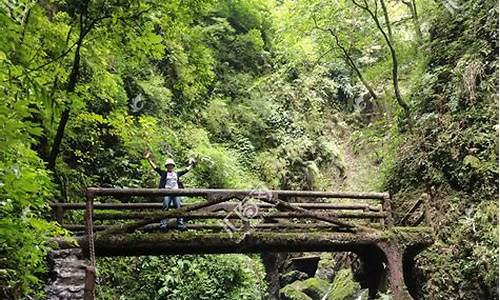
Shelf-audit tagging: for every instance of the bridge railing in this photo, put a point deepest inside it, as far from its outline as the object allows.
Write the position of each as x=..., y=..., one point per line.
x=274, y=205
x=260, y=210
x=417, y=213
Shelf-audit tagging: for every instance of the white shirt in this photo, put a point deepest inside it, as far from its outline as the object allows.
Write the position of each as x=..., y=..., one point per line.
x=172, y=181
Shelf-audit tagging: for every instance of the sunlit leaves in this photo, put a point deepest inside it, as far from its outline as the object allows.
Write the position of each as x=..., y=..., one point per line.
x=210, y=277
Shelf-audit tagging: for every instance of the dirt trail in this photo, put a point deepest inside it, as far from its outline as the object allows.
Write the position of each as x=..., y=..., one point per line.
x=358, y=174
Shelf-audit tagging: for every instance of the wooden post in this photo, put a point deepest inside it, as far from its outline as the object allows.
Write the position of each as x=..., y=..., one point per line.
x=59, y=214
x=387, y=207
x=426, y=198
x=382, y=221
x=89, y=288
x=89, y=228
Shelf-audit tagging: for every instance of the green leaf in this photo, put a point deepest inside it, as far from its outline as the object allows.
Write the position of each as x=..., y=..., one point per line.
x=472, y=161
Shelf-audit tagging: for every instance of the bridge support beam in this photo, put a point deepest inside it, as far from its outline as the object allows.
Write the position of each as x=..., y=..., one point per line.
x=395, y=275
x=245, y=242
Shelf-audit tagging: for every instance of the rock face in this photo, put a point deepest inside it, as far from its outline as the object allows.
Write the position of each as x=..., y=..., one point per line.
x=326, y=267
x=315, y=288
x=312, y=288
x=292, y=276
x=67, y=275
x=342, y=288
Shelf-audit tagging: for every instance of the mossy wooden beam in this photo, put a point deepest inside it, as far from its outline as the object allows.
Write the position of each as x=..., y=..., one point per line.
x=188, y=242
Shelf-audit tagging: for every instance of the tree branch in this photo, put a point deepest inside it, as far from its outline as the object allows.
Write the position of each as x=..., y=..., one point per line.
x=395, y=81
x=348, y=58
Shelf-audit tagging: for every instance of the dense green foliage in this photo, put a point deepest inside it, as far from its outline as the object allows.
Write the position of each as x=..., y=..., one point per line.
x=263, y=93
x=188, y=277
x=453, y=153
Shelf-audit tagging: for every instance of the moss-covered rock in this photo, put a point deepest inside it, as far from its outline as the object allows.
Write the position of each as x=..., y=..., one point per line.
x=363, y=295
x=326, y=267
x=312, y=288
x=344, y=286
x=293, y=292
x=293, y=276
x=315, y=288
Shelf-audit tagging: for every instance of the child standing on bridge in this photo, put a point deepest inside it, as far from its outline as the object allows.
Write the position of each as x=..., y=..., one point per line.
x=169, y=179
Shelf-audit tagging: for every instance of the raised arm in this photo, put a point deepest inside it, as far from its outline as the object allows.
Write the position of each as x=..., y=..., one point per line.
x=150, y=160
x=191, y=164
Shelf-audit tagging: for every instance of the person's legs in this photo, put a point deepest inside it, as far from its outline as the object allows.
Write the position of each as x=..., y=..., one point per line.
x=177, y=204
x=166, y=205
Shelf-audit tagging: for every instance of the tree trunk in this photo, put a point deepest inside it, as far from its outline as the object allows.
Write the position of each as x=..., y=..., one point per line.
x=71, y=85
x=73, y=79
x=365, y=83
x=353, y=65
x=387, y=21
x=394, y=58
x=416, y=21
x=395, y=80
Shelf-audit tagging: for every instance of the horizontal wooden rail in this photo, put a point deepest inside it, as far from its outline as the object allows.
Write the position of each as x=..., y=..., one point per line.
x=217, y=215
x=158, y=205
x=96, y=192
x=79, y=227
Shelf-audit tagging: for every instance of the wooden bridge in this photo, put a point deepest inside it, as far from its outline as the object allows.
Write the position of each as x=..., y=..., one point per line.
x=249, y=221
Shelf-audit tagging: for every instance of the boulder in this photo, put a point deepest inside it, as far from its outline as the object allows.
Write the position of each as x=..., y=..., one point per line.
x=326, y=267
x=344, y=287
x=292, y=276
x=315, y=288
x=294, y=292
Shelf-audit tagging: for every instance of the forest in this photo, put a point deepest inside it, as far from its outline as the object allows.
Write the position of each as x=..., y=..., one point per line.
x=327, y=95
